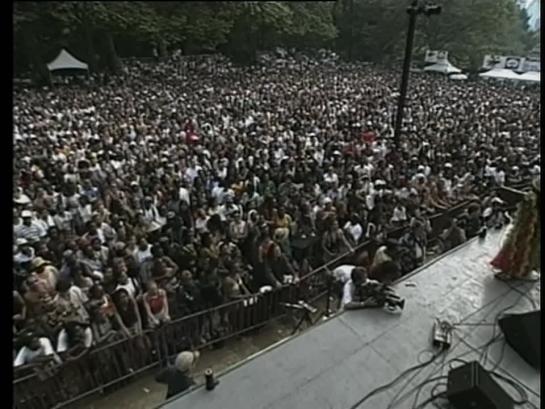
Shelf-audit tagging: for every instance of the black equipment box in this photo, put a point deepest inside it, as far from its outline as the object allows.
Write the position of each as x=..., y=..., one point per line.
x=470, y=386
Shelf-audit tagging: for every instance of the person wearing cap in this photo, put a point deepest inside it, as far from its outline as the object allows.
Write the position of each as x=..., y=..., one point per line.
x=24, y=253
x=520, y=255
x=495, y=216
x=178, y=377
x=29, y=229
x=45, y=271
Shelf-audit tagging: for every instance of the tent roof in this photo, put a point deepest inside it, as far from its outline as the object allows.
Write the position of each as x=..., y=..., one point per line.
x=501, y=73
x=531, y=76
x=458, y=76
x=66, y=61
x=445, y=68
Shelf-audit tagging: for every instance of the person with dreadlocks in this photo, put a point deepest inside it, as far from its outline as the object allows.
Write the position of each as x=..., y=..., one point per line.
x=519, y=257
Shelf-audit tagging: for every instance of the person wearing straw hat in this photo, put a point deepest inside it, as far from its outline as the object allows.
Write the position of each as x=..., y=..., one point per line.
x=178, y=377
x=519, y=257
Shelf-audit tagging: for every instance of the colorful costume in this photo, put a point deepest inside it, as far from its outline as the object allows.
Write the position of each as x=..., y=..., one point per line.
x=520, y=253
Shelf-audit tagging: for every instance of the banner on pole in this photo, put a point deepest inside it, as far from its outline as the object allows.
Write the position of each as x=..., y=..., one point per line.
x=436, y=57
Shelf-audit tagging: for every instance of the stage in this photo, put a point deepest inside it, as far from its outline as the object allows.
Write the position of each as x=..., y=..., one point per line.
x=338, y=362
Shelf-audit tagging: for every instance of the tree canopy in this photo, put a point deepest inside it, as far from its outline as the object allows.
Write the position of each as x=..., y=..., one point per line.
x=371, y=30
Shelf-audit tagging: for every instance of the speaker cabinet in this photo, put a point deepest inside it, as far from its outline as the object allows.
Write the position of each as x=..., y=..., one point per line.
x=523, y=334
x=470, y=386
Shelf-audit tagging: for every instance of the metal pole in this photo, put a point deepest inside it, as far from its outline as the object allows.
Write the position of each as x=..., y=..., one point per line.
x=413, y=11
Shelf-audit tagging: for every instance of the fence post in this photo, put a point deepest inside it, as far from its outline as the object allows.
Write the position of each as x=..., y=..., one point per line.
x=327, y=313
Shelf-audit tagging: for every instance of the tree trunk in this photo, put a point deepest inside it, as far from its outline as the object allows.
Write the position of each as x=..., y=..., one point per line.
x=38, y=69
x=351, y=44
x=113, y=59
x=91, y=53
x=163, y=52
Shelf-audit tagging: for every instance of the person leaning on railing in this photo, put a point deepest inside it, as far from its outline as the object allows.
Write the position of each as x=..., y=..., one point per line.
x=35, y=350
x=156, y=305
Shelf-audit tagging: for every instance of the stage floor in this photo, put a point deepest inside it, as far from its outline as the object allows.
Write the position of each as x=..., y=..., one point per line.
x=338, y=362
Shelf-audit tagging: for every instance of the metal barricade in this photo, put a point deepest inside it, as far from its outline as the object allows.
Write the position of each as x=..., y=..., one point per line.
x=110, y=365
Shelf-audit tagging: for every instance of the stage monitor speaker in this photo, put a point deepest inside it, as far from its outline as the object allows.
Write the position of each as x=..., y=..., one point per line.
x=523, y=333
x=470, y=386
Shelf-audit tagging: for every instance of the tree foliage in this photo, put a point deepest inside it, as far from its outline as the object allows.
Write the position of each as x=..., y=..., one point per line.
x=372, y=30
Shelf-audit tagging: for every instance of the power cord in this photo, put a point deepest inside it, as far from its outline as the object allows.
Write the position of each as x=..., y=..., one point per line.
x=484, y=347
x=394, y=381
x=484, y=355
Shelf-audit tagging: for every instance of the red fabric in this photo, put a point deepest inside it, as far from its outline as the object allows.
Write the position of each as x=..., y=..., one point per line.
x=192, y=138
x=501, y=261
x=368, y=136
x=155, y=303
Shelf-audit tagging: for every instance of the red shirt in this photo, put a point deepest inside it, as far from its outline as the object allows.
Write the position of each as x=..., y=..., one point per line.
x=368, y=136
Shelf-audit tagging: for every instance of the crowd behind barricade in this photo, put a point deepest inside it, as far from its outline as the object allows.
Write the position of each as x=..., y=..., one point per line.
x=171, y=189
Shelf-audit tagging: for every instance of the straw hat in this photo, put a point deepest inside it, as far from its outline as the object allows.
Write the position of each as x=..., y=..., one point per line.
x=37, y=263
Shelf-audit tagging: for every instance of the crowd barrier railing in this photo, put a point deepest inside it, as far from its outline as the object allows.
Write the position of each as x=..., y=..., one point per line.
x=112, y=364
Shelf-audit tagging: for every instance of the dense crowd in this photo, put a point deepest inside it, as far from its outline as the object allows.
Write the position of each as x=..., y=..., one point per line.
x=173, y=188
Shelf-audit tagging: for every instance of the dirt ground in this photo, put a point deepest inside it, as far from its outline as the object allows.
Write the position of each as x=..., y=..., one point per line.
x=144, y=393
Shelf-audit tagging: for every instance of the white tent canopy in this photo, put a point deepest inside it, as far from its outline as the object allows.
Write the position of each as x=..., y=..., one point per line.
x=501, y=73
x=532, y=76
x=66, y=61
x=458, y=77
x=443, y=68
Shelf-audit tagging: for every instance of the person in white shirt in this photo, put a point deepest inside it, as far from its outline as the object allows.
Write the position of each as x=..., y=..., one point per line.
x=143, y=252
x=35, y=350
x=331, y=177
x=499, y=177
x=353, y=230
x=400, y=215
x=183, y=193
x=29, y=229
x=74, y=335
x=351, y=298
x=343, y=273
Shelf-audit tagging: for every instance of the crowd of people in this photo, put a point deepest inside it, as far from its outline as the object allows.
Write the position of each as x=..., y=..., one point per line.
x=171, y=188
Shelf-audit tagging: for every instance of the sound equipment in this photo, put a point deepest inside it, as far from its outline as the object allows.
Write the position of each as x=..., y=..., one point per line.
x=470, y=386
x=210, y=381
x=442, y=334
x=523, y=333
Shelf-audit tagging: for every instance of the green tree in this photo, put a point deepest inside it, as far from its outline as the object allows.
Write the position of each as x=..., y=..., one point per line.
x=469, y=29
x=372, y=30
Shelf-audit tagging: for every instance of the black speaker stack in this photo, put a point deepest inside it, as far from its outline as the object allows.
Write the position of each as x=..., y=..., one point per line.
x=523, y=334
x=470, y=386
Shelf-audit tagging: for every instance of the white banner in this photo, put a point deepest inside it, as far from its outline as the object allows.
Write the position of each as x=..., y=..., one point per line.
x=518, y=64
x=436, y=57
x=493, y=61
x=531, y=65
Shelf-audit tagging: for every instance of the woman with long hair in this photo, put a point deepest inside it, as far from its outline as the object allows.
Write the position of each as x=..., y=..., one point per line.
x=520, y=257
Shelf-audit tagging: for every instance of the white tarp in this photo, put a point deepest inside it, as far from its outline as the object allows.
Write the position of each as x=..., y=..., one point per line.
x=500, y=73
x=531, y=76
x=443, y=68
x=458, y=77
x=65, y=61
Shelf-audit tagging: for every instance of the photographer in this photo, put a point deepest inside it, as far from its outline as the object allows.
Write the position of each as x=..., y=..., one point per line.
x=355, y=294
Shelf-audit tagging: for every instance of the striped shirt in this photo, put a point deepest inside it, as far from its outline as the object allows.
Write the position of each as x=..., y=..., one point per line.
x=32, y=233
